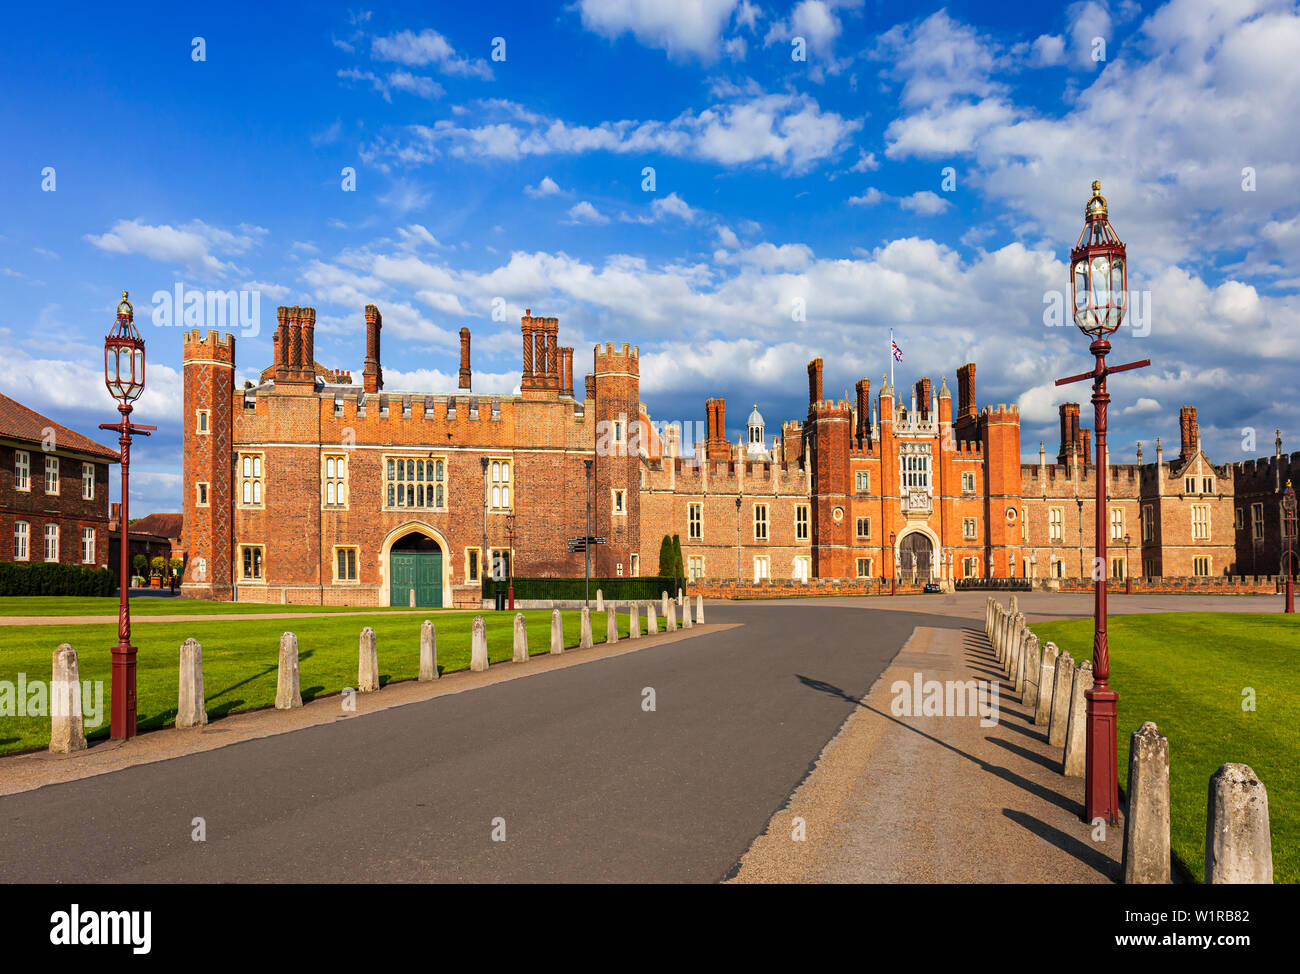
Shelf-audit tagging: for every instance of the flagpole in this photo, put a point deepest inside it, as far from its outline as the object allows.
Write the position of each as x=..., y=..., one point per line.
x=891, y=358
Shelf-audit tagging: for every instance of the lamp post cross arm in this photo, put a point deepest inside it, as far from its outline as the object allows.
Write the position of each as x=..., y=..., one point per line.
x=1102, y=371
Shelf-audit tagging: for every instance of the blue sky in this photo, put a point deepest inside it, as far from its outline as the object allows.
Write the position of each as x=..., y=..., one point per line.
x=518, y=182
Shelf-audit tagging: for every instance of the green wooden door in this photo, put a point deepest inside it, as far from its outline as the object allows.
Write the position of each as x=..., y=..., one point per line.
x=418, y=570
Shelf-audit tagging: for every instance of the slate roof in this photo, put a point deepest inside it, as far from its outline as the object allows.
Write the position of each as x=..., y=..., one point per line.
x=17, y=422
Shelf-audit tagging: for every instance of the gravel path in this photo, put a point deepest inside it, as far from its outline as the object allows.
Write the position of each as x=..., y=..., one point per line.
x=915, y=799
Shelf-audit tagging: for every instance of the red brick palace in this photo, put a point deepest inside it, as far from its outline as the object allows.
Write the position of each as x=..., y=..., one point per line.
x=305, y=487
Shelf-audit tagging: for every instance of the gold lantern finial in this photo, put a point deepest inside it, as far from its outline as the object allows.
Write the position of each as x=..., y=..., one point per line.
x=1096, y=205
x=127, y=304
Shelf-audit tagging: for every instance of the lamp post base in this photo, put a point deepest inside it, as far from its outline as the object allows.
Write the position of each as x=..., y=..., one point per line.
x=122, y=702
x=1101, y=787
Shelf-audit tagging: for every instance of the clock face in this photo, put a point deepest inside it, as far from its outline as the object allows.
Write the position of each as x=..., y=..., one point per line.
x=838, y=513
x=1011, y=513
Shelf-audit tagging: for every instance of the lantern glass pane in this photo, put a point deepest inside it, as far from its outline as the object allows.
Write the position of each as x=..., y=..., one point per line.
x=1080, y=285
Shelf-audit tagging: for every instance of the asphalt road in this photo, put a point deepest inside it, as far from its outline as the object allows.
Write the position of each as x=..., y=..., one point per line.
x=590, y=786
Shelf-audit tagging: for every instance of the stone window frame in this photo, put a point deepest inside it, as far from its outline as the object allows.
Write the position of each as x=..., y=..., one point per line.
x=356, y=564
x=1117, y=524
x=87, y=480
x=806, y=563
x=1056, y=524
x=802, y=522
x=967, y=476
x=52, y=466
x=45, y=547
x=618, y=502
x=862, y=481
x=23, y=471
x=259, y=563
x=695, y=521
x=202, y=493
x=1205, y=522
x=495, y=485
x=635, y=565
x=761, y=524
x=1148, y=522
x=202, y=422
x=255, y=479
x=969, y=528
x=1257, y=521
x=26, y=536
x=509, y=561
x=766, y=563
x=477, y=574
x=863, y=567
x=385, y=482
x=692, y=572
x=1199, y=561
x=860, y=534
x=342, y=484
x=84, y=539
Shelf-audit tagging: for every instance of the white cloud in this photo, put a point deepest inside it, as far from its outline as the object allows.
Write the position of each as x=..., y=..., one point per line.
x=193, y=246
x=870, y=198
x=428, y=47
x=547, y=187
x=400, y=80
x=925, y=203
x=937, y=60
x=790, y=132
x=683, y=28
x=866, y=162
x=1047, y=50
x=584, y=212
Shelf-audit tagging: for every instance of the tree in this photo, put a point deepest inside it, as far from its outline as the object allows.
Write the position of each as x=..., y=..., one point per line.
x=666, y=557
x=679, y=568
x=140, y=565
x=176, y=565
x=158, y=564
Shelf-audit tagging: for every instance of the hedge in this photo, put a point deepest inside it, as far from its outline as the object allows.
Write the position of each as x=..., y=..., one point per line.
x=574, y=589
x=52, y=578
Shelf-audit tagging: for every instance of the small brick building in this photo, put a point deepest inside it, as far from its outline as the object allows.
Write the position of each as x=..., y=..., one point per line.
x=304, y=487
x=53, y=490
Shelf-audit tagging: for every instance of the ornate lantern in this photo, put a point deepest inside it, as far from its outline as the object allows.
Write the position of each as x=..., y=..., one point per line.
x=124, y=356
x=1098, y=272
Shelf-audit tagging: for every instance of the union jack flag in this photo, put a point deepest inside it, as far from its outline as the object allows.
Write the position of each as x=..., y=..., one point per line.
x=898, y=352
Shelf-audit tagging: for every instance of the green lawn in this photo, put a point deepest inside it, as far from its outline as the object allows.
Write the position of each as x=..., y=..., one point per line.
x=240, y=659
x=1187, y=673
x=71, y=605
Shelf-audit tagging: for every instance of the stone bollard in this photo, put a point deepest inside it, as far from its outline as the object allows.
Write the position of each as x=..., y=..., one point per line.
x=1146, y=821
x=1075, y=761
x=664, y=609
x=1013, y=605
x=368, y=664
x=1030, y=663
x=611, y=626
x=699, y=610
x=1009, y=660
x=600, y=600
x=1061, y=683
x=190, y=709
x=1018, y=632
x=557, y=633
x=67, y=730
x=1238, y=848
x=988, y=616
x=584, y=638
x=478, y=653
x=687, y=621
x=428, y=652
x=634, y=621
x=1000, y=635
x=288, y=691
x=670, y=616
x=412, y=598
x=521, y=639
x=1046, y=678
x=651, y=620
x=680, y=598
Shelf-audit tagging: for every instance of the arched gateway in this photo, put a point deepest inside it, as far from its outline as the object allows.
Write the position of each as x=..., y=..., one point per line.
x=915, y=553
x=415, y=565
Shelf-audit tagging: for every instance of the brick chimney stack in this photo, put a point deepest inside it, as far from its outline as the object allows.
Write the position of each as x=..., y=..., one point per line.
x=1191, y=432
x=1085, y=448
x=716, y=445
x=863, y=389
x=566, y=371
x=281, y=341
x=1069, y=431
x=465, y=374
x=966, y=391
x=307, y=328
x=923, y=396
x=591, y=387
x=373, y=373
x=814, y=381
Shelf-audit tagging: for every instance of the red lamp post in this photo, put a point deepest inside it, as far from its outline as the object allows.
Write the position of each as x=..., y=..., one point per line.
x=893, y=558
x=1128, y=577
x=1099, y=296
x=1289, y=518
x=124, y=376
x=510, y=560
